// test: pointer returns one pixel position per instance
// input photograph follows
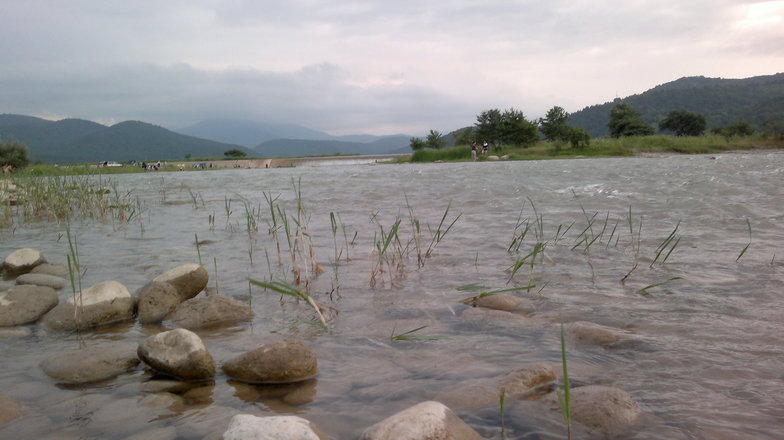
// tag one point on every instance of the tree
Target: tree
(234, 153)
(509, 127)
(417, 144)
(435, 140)
(463, 136)
(683, 123)
(553, 126)
(516, 130)
(13, 155)
(578, 137)
(741, 128)
(488, 126)
(625, 121)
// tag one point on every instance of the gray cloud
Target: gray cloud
(365, 66)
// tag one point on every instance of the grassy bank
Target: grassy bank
(607, 147)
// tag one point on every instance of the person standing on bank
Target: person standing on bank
(484, 148)
(473, 151)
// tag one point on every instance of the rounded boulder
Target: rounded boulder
(178, 353)
(283, 361)
(156, 300)
(188, 279)
(25, 304)
(103, 303)
(91, 364)
(210, 311)
(424, 421)
(248, 427)
(41, 279)
(22, 261)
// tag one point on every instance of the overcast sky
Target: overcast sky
(365, 66)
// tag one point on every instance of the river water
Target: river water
(703, 359)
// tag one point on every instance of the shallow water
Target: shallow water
(705, 361)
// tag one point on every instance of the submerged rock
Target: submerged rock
(605, 409)
(103, 303)
(91, 364)
(25, 304)
(156, 300)
(188, 279)
(210, 311)
(486, 392)
(41, 279)
(56, 269)
(248, 427)
(588, 333)
(178, 353)
(424, 421)
(22, 261)
(9, 409)
(498, 301)
(283, 361)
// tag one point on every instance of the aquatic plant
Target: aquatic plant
(485, 291)
(665, 243)
(412, 336)
(743, 251)
(441, 232)
(287, 289)
(564, 397)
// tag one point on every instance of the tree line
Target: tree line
(511, 127)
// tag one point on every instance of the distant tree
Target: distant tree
(578, 137)
(13, 155)
(435, 140)
(741, 128)
(683, 123)
(553, 126)
(417, 144)
(507, 127)
(516, 129)
(488, 126)
(463, 136)
(625, 121)
(234, 153)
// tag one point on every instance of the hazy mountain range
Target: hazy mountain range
(757, 100)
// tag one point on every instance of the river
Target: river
(705, 360)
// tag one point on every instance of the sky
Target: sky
(365, 66)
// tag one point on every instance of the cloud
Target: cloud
(365, 66)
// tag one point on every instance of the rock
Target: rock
(424, 421)
(25, 304)
(588, 333)
(248, 427)
(210, 311)
(9, 409)
(22, 261)
(486, 392)
(91, 364)
(493, 157)
(188, 279)
(14, 332)
(58, 270)
(523, 379)
(283, 361)
(498, 301)
(178, 353)
(103, 303)
(40, 279)
(156, 300)
(604, 409)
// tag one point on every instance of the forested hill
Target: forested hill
(757, 100)
(78, 141)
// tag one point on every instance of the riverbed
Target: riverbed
(685, 254)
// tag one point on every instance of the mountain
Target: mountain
(756, 100)
(249, 133)
(300, 147)
(79, 141)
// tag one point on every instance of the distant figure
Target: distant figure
(484, 148)
(144, 165)
(473, 151)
